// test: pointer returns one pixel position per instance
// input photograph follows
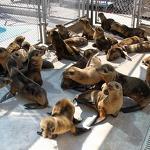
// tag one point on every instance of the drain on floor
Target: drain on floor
(146, 144)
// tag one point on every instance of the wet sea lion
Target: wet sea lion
(63, 50)
(146, 61)
(133, 87)
(88, 30)
(65, 33)
(76, 41)
(105, 23)
(16, 44)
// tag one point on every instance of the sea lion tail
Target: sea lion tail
(131, 109)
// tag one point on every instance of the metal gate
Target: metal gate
(20, 17)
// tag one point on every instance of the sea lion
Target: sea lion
(86, 76)
(138, 48)
(116, 50)
(76, 41)
(4, 81)
(133, 87)
(16, 44)
(125, 31)
(102, 103)
(148, 76)
(26, 46)
(82, 63)
(52, 126)
(63, 50)
(101, 42)
(65, 33)
(146, 61)
(65, 107)
(27, 88)
(88, 30)
(105, 23)
(34, 66)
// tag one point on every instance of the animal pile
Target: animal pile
(103, 88)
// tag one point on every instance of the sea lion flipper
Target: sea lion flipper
(33, 106)
(81, 130)
(131, 109)
(76, 121)
(6, 97)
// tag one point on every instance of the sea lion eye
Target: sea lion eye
(117, 86)
(17, 54)
(105, 71)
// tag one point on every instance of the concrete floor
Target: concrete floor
(18, 126)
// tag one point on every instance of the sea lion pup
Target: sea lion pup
(116, 50)
(88, 30)
(16, 44)
(63, 50)
(76, 41)
(52, 126)
(102, 103)
(82, 63)
(65, 107)
(105, 23)
(34, 66)
(133, 87)
(146, 61)
(125, 31)
(138, 48)
(148, 76)
(28, 89)
(101, 42)
(65, 33)
(86, 76)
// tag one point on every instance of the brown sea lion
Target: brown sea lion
(86, 76)
(125, 31)
(63, 50)
(76, 41)
(34, 66)
(148, 76)
(82, 63)
(65, 107)
(133, 87)
(101, 42)
(88, 30)
(52, 126)
(16, 44)
(146, 61)
(26, 46)
(105, 23)
(27, 88)
(65, 33)
(102, 103)
(115, 51)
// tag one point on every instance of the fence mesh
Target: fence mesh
(19, 17)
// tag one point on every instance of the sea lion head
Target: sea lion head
(146, 61)
(84, 21)
(36, 54)
(25, 45)
(60, 27)
(47, 125)
(19, 40)
(99, 30)
(101, 15)
(4, 81)
(55, 35)
(115, 53)
(114, 86)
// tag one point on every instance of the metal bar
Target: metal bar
(91, 12)
(40, 20)
(96, 10)
(134, 13)
(87, 8)
(139, 13)
(83, 7)
(79, 9)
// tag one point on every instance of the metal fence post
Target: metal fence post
(91, 12)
